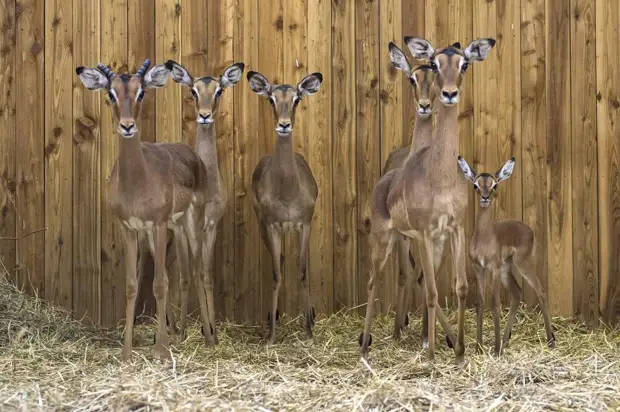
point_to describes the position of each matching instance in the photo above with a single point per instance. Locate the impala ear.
(310, 84)
(466, 170)
(479, 49)
(259, 83)
(157, 77)
(232, 75)
(506, 171)
(420, 48)
(180, 74)
(399, 60)
(92, 79)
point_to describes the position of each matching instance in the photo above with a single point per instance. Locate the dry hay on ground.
(49, 362)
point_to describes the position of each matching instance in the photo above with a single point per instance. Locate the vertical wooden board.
(30, 118)
(345, 207)
(7, 143)
(367, 125)
(194, 43)
(608, 127)
(508, 203)
(87, 251)
(168, 46)
(559, 218)
(413, 24)
(220, 46)
(321, 266)
(59, 152)
(390, 104)
(533, 131)
(485, 85)
(248, 282)
(295, 68)
(584, 159)
(114, 54)
(270, 65)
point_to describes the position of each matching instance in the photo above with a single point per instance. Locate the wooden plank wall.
(549, 94)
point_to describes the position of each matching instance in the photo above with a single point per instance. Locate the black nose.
(284, 125)
(449, 95)
(127, 127)
(424, 106)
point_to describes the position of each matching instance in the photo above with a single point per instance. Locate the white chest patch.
(135, 223)
(287, 226)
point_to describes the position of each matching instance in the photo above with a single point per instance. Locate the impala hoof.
(406, 319)
(551, 342)
(277, 316)
(202, 329)
(450, 342)
(362, 337)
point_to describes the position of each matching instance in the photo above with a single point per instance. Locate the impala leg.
(183, 266)
(405, 279)
(302, 264)
(515, 297)
(457, 243)
(208, 248)
(417, 273)
(160, 290)
(425, 249)
(275, 245)
(497, 304)
(479, 306)
(170, 260)
(141, 267)
(131, 288)
(527, 270)
(382, 244)
(438, 262)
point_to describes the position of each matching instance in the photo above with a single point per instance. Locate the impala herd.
(170, 194)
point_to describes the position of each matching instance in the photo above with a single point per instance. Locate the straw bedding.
(50, 362)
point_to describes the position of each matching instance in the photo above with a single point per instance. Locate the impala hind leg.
(457, 246)
(382, 244)
(497, 306)
(208, 249)
(160, 290)
(275, 246)
(183, 267)
(425, 251)
(515, 297)
(302, 264)
(479, 306)
(405, 280)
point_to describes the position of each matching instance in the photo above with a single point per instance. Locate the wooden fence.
(549, 94)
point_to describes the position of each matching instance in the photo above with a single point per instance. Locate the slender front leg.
(479, 306)
(457, 241)
(131, 288)
(275, 238)
(425, 250)
(515, 297)
(302, 264)
(405, 279)
(208, 249)
(497, 304)
(160, 290)
(182, 249)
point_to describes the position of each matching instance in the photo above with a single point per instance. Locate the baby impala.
(500, 247)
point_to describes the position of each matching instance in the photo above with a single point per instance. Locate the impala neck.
(484, 220)
(422, 133)
(286, 177)
(132, 170)
(444, 150)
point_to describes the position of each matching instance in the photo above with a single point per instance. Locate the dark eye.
(464, 67)
(476, 186)
(141, 95)
(194, 93)
(271, 102)
(296, 101)
(111, 97)
(412, 81)
(219, 93)
(433, 66)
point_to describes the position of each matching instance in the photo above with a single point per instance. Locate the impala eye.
(112, 96)
(219, 92)
(140, 95)
(194, 93)
(434, 66)
(476, 186)
(464, 67)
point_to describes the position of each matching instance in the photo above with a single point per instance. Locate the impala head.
(449, 63)
(284, 98)
(421, 78)
(125, 91)
(206, 90)
(485, 184)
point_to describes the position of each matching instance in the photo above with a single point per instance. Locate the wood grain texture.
(390, 105)
(608, 128)
(321, 265)
(59, 152)
(584, 161)
(344, 161)
(295, 68)
(367, 118)
(194, 43)
(248, 275)
(533, 131)
(271, 65)
(29, 156)
(114, 54)
(87, 183)
(7, 143)
(559, 217)
(220, 46)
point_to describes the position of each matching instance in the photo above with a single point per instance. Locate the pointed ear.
(420, 48)
(259, 83)
(466, 170)
(92, 79)
(479, 49)
(399, 60)
(179, 74)
(310, 84)
(232, 75)
(506, 171)
(157, 76)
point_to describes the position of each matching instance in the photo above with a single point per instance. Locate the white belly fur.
(287, 226)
